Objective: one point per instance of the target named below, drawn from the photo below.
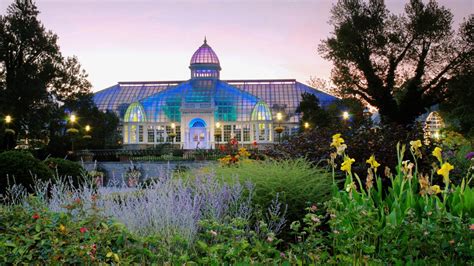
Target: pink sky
(119, 40)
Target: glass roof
(279, 95)
(204, 55)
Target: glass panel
(227, 132)
(261, 132)
(160, 134)
(140, 133)
(151, 134)
(246, 131)
(133, 134)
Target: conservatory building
(204, 111)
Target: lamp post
(8, 131)
(345, 115)
(217, 133)
(87, 136)
(172, 135)
(72, 130)
(306, 125)
(279, 128)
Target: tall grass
(297, 182)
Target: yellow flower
(337, 140)
(373, 163)
(415, 144)
(244, 153)
(435, 189)
(437, 153)
(346, 165)
(444, 171)
(62, 228)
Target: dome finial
(205, 41)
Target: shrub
(22, 167)
(37, 236)
(297, 183)
(381, 142)
(66, 168)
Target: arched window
(135, 113)
(261, 112)
(197, 122)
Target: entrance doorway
(198, 134)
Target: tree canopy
(400, 64)
(39, 87)
(34, 76)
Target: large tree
(400, 64)
(34, 77)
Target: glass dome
(204, 55)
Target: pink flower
(35, 216)
(471, 227)
(83, 230)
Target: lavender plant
(166, 207)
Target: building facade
(205, 111)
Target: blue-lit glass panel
(197, 122)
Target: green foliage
(371, 49)
(233, 242)
(297, 183)
(21, 167)
(36, 235)
(66, 169)
(404, 225)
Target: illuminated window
(151, 134)
(135, 113)
(261, 112)
(227, 132)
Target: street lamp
(172, 135)
(217, 132)
(72, 130)
(8, 131)
(345, 115)
(306, 125)
(279, 128)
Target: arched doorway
(198, 134)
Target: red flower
(35, 216)
(77, 201)
(222, 148)
(254, 143)
(83, 230)
(233, 141)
